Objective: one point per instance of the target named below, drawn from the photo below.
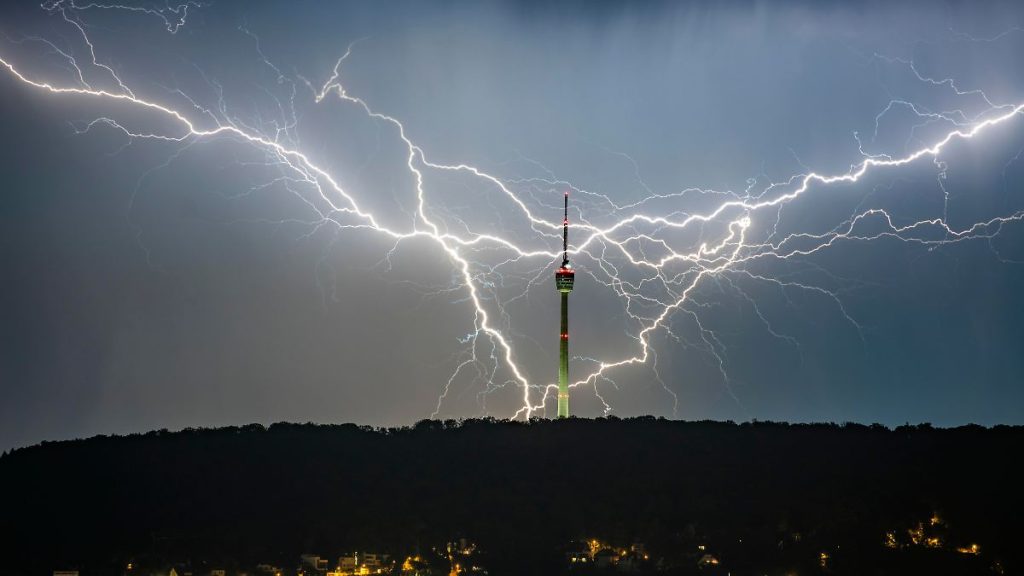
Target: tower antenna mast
(565, 233)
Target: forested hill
(764, 496)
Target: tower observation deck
(564, 278)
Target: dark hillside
(766, 497)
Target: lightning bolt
(657, 263)
(173, 17)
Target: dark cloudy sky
(150, 284)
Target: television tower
(564, 277)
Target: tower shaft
(563, 361)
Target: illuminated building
(564, 278)
(578, 553)
(416, 566)
(314, 562)
(707, 560)
(462, 546)
(606, 558)
(601, 555)
(973, 550)
(361, 564)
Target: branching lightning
(655, 262)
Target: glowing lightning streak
(180, 11)
(307, 165)
(706, 261)
(852, 176)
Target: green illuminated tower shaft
(564, 277)
(563, 360)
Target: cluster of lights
(921, 535)
(595, 547)
(668, 281)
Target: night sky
(157, 278)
